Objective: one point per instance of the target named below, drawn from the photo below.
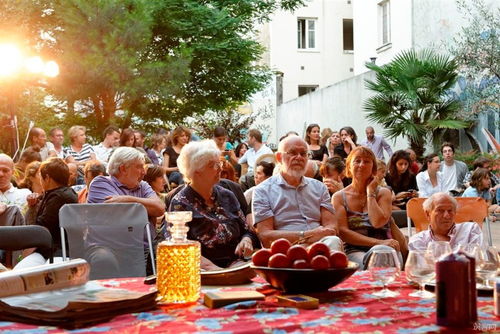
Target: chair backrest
(469, 209)
(109, 236)
(399, 217)
(25, 236)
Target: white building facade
(309, 49)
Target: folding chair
(109, 236)
(469, 209)
(25, 236)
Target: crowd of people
(325, 187)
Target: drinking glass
(420, 268)
(438, 249)
(487, 263)
(384, 267)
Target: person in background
(400, 179)
(349, 138)
(127, 138)
(220, 139)
(56, 137)
(239, 151)
(482, 162)
(415, 166)
(155, 177)
(28, 156)
(333, 142)
(363, 209)
(140, 137)
(92, 169)
(332, 172)
(480, 185)
(430, 179)
(155, 153)
(376, 143)
(440, 209)
(54, 174)
(111, 140)
(31, 181)
(73, 175)
(39, 143)
(9, 194)
(79, 151)
(227, 171)
(180, 137)
(325, 135)
(453, 171)
(257, 149)
(218, 222)
(318, 152)
(263, 171)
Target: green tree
(411, 97)
(146, 62)
(477, 51)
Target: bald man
(39, 143)
(292, 206)
(376, 143)
(440, 210)
(9, 194)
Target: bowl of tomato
(296, 269)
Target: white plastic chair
(109, 236)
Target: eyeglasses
(303, 154)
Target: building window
(348, 35)
(303, 90)
(306, 33)
(384, 11)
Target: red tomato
(338, 260)
(280, 246)
(318, 248)
(320, 262)
(279, 261)
(300, 264)
(261, 257)
(297, 252)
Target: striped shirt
(83, 155)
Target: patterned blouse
(220, 228)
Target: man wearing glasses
(292, 206)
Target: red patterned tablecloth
(348, 308)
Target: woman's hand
(372, 186)
(348, 139)
(32, 199)
(391, 243)
(244, 248)
(332, 185)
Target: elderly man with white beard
(291, 206)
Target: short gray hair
(195, 155)
(123, 156)
(428, 204)
(284, 141)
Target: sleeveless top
(360, 222)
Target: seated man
(125, 185)
(292, 206)
(440, 210)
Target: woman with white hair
(218, 222)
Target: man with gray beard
(291, 206)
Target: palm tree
(411, 97)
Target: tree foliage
(411, 97)
(477, 51)
(150, 62)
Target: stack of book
(61, 295)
